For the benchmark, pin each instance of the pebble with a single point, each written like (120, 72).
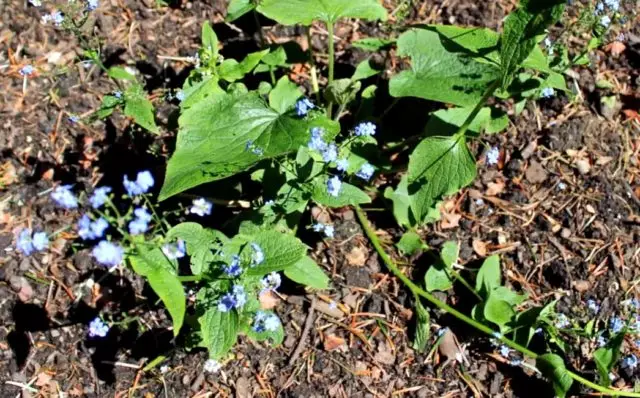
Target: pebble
(565, 233)
(583, 166)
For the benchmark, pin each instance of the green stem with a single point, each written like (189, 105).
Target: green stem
(417, 290)
(272, 75)
(314, 70)
(190, 278)
(466, 284)
(485, 97)
(331, 61)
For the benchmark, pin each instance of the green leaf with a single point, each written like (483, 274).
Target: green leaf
(489, 120)
(372, 44)
(402, 206)
(109, 104)
(195, 91)
(138, 107)
(117, 72)
(232, 70)
(437, 278)
(437, 73)
(410, 243)
(552, 367)
(292, 12)
(498, 311)
(365, 70)
(488, 276)
(281, 251)
(508, 295)
(438, 166)
(209, 39)
(238, 8)
(284, 96)
(479, 43)
(307, 272)
(349, 195)
(219, 331)
(342, 91)
(276, 57)
(606, 357)
(157, 269)
(213, 137)
(423, 330)
(524, 325)
(200, 242)
(520, 30)
(449, 253)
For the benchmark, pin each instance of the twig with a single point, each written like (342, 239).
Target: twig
(305, 332)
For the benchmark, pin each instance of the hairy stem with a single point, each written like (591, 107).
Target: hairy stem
(418, 291)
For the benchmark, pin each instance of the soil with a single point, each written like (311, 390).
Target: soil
(562, 208)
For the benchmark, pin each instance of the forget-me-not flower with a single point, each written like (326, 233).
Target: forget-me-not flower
(257, 257)
(317, 143)
(92, 5)
(493, 156)
(175, 250)
(107, 253)
(271, 281)
(547, 92)
(366, 171)
(233, 269)
(303, 107)
(365, 129)
(630, 362)
(88, 230)
(97, 328)
(201, 207)
(27, 70)
(342, 165)
(144, 181)
(605, 21)
(330, 153)
(334, 185)
(264, 321)
(27, 243)
(40, 241)
(591, 304)
(616, 324)
(327, 229)
(64, 198)
(99, 197)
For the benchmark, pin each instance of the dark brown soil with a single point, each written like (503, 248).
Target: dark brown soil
(561, 208)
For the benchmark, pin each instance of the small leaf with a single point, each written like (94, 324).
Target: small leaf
(291, 12)
(437, 278)
(498, 311)
(117, 72)
(284, 96)
(281, 251)
(449, 253)
(138, 107)
(342, 91)
(307, 272)
(423, 330)
(238, 8)
(552, 367)
(277, 57)
(489, 120)
(209, 39)
(372, 44)
(606, 357)
(410, 243)
(200, 242)
(219, 331)
(349, 195)
(156, 268)
(488, 276)
(365, 70)
(109, 104)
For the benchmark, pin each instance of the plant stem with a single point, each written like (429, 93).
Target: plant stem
(314, 69)
(485, 97)
(416, 290)
(331, 61)
(190, 278)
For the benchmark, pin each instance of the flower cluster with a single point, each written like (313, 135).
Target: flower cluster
(64, 197)
(366, 172)
(97, 328)
(108, 253)
(28, 243)
(271, 282)
(27, 70)
(233, 269)
(140, 224)
(257, 256)
(201, 207)
(327, 229)
(235, 298)
(303, 107)
(143, 182)
(265, 322)
(90, 230)
(365, 129)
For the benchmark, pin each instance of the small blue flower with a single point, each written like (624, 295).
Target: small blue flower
(599, 8)
(593, 307)
(64, 198)
(143, 214)
(330, 153)
(24, 243)
(303, 107)
(233, 269)
(257, 257)
(504, 351)
(562, 321)
(334, 185)
(240, 295)
(138, 226)
(493, 156)
(99, 197)
(40, 241)
(496, 335)
(88, 230)
(212, 366)
(366, 171)
(612, 4)
(107, 253)
(180, 95)
(271, 282)
(317, 143)
(269, 202)
(174, 251)
(201, 207)
(630, 362)
(97, 328)
(365, 129)
(601, 341)
(264, 321)
(615, 325)
(327, 229)
(73, 118)
(57, 17)
(145, 180)
(271, 323)
(547, 92)
(342, 165)
(92, 5)
(27, 70)
(227, 302)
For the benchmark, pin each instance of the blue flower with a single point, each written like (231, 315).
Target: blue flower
(233, 269)
(330, 153)
(212, 366)
(180, 95)
(591, 304)
(144, 181)
(99, 197)
(64, 198)
(613, 4)
(240, 295)
(27, 70)
(88, 230)
(107, 253)
(493, 156)
(366, 171)
(97, 328)
(257, 257)
(251, 147)
(303, 107)
(504, 351)
(601, 341)
(616, 324)
(342, 165)
(317, 143)
(73, 118)
(630, 362)
(547, 92)
(40, 241)
(365, 129)
(605, 21)
(117, 94)
(236, 298)
(271, 282)
(92, 5)
(174, 250)
(201, 207)
(138, 226)
(57, 17)
(264, 321)
(327, 229)
(24, 243)
(562, 321)
(334, 185)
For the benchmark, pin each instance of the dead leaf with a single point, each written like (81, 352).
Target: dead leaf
(450, 221)
(616, 48)
(43, 379)
(495, 188)
(385, 355)
(357, 256)
(631, 114)
(333, 342)
(535, 174)
(479, 247)
(268, 300)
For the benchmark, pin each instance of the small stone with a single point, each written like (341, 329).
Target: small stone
(565, 233)
(583, 166)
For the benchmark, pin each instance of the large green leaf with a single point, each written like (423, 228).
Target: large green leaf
(157, 269)
(200, 242)
(520, 30)
(291, 12)
(214, 133)
(438, 166)
(196, 90)
(439, 74)
(281, 251)
(307, 272)
(348, 195)
(553, 368)
(138, 107)
(209, 39)
(219, 331)
(238, 8)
